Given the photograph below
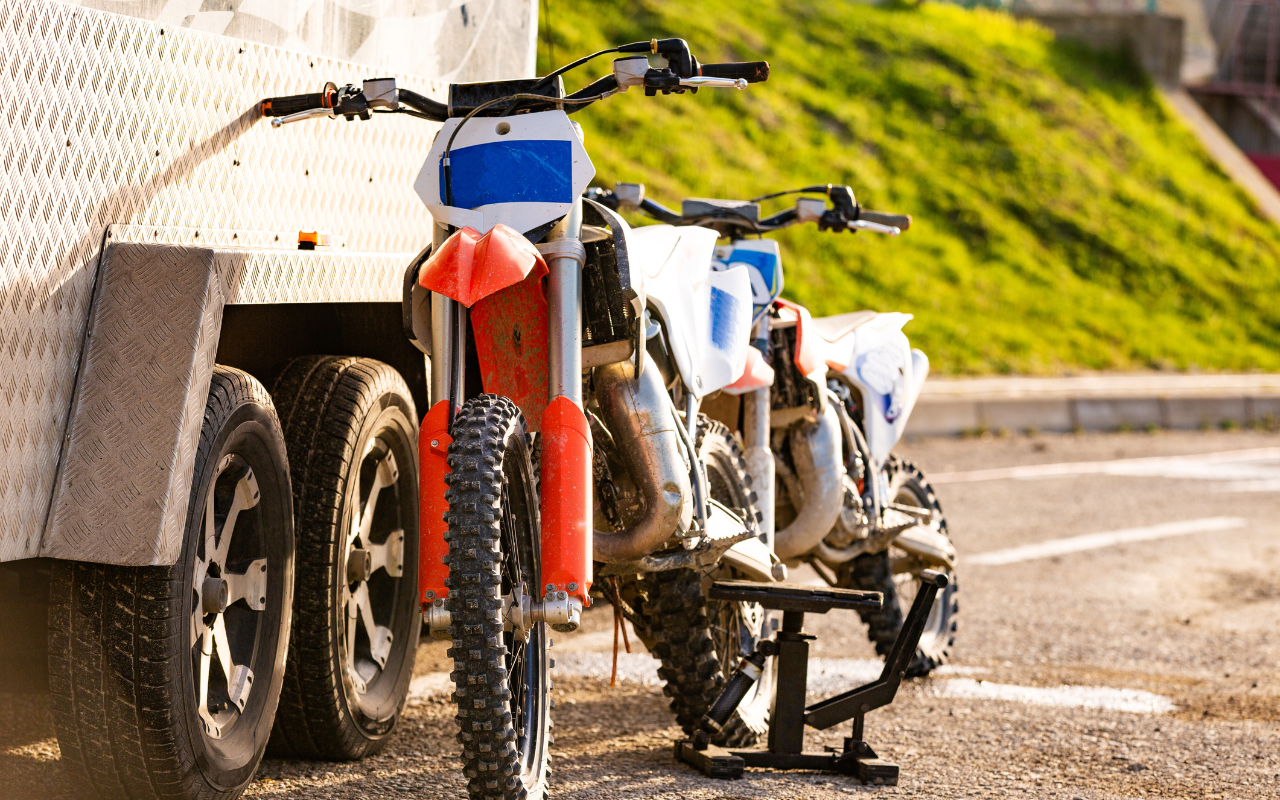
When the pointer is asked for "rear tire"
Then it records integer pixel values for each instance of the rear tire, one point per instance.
(502, 684)
(897, 576)
(350, 427)
(141, 710)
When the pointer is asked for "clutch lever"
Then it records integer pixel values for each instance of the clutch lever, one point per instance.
(703, 82)
(874, 227)
(311, 113)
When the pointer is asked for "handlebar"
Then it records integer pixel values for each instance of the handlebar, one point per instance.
(900, 221)
(734, 217)
(292, 104)
(749, 71)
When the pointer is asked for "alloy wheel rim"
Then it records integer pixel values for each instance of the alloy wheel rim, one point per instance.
(229, 596)
(372, 564)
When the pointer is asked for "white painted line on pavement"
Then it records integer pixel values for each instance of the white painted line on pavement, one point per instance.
(1093, 541)
(1133, 701)
(1188, 466)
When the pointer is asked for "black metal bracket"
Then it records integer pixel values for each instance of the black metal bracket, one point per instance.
(790, 715)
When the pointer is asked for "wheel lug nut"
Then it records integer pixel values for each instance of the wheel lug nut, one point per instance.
(214, 595)
(359, 565)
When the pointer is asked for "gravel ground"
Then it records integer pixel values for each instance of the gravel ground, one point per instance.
(1191, 619)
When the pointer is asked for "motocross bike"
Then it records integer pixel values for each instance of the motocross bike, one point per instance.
(548, 414)
(820, 407)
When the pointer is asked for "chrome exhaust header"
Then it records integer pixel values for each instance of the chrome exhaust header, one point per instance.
(640, 417)
(816, 450)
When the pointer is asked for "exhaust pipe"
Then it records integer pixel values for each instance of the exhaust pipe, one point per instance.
(638, 413)
(816, 452)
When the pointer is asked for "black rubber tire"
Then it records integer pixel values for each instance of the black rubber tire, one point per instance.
(339, 415)
(696, 663)
(874, 572)
(502, 687)
(122, 668)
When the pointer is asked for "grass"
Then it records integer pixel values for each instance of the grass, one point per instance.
(1064, 218)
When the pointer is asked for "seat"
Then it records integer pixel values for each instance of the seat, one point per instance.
(834, 328)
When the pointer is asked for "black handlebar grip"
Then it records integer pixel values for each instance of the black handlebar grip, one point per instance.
(899, 221)
(752, 71)
(291, 104)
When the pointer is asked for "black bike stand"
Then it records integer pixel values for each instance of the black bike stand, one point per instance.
(789, 717)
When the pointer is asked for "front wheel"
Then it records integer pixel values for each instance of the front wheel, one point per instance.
(502, 686)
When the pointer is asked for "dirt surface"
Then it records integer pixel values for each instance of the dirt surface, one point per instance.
(1191, 619)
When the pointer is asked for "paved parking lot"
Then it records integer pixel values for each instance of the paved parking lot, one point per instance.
(1119, 637)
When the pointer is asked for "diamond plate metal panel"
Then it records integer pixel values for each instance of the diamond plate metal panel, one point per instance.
(276, 276)
(107, 119)
(123, 485)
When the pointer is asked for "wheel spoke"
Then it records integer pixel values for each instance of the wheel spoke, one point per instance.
(246, 497)
(386, 475)
(379, 636)
(222, 646)
(250, 586)
(389, 555)
(353, 614)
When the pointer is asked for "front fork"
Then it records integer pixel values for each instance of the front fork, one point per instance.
(755, 435)
(566, 436)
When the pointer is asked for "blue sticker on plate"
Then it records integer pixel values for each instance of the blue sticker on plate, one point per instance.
(518, 171)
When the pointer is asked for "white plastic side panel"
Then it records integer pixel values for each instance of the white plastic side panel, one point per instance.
(532, 165)
(708, 315)
(728, 330)
(883, 369)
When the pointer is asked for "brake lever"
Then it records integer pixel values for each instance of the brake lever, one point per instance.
(311, 113)
(701, 82)
(874, 227)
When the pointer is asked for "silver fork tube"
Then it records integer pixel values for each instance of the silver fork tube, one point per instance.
(755, 434)
(565, 256)
(445, 357)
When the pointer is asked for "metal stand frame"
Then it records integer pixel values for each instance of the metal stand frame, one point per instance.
(790, 715)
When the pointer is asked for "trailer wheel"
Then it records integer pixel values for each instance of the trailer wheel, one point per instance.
(350, 427)
(165, 680)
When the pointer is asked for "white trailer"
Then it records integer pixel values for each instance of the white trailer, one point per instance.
(208, 470)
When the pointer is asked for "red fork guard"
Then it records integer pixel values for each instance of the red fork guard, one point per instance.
(433, 447)
(566, 499)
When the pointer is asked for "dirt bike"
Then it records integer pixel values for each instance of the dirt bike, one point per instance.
(820, 407)
(558, 460)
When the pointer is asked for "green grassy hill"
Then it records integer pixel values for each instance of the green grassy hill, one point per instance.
(1064, 219)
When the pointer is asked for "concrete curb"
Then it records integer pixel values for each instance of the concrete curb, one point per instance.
(1095, 403)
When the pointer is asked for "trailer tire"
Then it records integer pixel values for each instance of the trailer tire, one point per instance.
(350, 425)
(126, 644)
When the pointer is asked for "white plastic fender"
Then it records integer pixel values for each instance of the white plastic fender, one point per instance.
(523, 171)
(707, 314)
(889, 376)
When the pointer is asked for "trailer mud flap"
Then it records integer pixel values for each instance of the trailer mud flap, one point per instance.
(433, 448)
(566, 500)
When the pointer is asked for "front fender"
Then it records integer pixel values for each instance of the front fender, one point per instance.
(469, 267)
